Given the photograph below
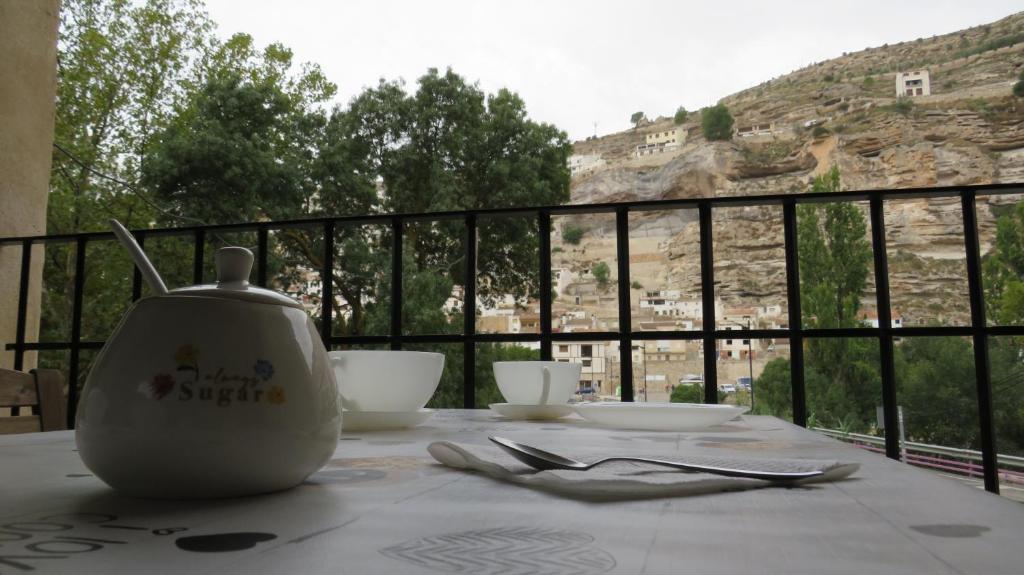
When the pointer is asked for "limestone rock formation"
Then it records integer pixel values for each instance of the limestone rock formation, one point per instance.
(842, 112)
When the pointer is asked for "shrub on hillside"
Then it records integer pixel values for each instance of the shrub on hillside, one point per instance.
(572, 235)
(716, 123)
(903, 106)
(1018, 88)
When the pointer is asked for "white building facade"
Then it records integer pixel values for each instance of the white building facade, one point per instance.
(913, 83)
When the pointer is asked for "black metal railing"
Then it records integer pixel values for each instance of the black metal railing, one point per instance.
(978, 330)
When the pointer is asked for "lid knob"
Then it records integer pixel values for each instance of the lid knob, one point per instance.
(233, 265)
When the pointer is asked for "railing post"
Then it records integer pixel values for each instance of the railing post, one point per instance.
(140, 237)
(198, 250)
(19, 330)
(982, 369)
(396, 283)
(261, 256)
(544, 240)
(327, 286)
(796, 325)
(76, 330)
(885, 348)
(469, 317)
(625, 321)
(707, 294)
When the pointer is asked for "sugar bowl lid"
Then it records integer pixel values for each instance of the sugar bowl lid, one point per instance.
(233, 267)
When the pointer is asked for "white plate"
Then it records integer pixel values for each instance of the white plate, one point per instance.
(380, 420)
(515, 411)
(658, 416)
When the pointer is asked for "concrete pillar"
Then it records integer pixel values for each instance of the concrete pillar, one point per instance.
(28, 88)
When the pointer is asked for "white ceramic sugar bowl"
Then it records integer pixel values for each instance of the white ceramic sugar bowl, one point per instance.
(210, 391)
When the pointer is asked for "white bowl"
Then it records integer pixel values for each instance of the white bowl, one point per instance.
(522, 382)
(386, 380)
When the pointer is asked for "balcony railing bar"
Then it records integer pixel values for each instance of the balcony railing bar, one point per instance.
(867, 332)
(544, 246)
(625, 326)
(796, 331)
(469, 313)
(982, 373)
(708, 334)
(707, 294)
(23, 283)
(262, 241)
(136, 272)
(76, 329)
(327, 284)
(396, 283)
(198, 254)
(885, 347)
(635, 206)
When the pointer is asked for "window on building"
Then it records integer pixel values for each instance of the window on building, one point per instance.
(728, 342)
(563, 349)
(746, 342)
(587, 351)
(587, 363)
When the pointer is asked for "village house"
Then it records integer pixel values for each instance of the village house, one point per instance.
(591, 356)
(757, 129)
(913, 83)
(662, 141)
(580, 164)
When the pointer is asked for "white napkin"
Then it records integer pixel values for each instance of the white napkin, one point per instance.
(625, 480)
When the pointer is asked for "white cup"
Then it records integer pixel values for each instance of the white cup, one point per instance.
(388, 381)
(537, 382)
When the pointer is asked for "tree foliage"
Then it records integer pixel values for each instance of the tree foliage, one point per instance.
(772, 390)
(191, 128)
(680, 116)
(636, 118)
(716, 123)
(601, 273)
(687, 394)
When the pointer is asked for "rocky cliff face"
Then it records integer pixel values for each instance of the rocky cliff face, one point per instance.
(843, 113)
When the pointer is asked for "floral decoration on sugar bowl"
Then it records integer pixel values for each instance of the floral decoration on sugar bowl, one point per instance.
(215, 385)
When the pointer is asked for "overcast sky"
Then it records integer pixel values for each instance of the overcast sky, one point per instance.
(580, 62)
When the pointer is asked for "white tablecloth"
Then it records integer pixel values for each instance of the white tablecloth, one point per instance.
(383, 505)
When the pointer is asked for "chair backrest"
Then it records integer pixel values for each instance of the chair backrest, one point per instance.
(42, 387)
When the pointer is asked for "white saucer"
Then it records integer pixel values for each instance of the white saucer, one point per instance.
(658, 416)
(380, 420)
(537, 412)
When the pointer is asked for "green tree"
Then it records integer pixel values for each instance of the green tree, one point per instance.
(680, 116)
(1003, 277)
(936, 386)
(716, 123)
(636, 118)
(122, 69)
(601, 273)
(841, 374)
(773, 390)
(834, 257)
